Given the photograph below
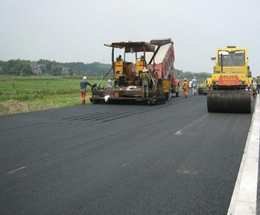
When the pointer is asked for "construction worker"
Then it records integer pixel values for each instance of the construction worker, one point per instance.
(83, 89)
(109, 83)
(190, 86)
(194, 83)
(145, 77)
(119, 58)
(258, 84)
(185, 87)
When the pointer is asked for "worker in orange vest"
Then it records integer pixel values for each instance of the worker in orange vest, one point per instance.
(185, 87)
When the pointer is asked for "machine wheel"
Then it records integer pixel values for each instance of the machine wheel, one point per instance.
(157, 102)
(168, 96)
(177, 94)
(229, 101)
(95, 102)
(160, 99)
(163, 100)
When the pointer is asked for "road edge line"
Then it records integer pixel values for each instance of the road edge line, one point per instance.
(244, 198)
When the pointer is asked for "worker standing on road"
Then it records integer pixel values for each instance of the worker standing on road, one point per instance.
(190, 86)
(185, 87)
(258, 84)
(145, 77)
(194, 85)
(83, 89)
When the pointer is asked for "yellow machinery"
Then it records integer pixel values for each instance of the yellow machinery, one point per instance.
(157, 56)
(230, 88)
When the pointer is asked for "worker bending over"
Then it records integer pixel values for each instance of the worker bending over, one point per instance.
(83, 89)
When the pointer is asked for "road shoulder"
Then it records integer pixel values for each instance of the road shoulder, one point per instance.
(244, 198)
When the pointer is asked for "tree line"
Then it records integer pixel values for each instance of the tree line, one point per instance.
(201, 76)
(16, 67)
(45, 67)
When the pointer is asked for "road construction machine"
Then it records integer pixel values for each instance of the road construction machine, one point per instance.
(230, 88)
(157, 56)
(202, 89)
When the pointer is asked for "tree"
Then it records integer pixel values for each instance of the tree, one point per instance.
(25, 68)
(11, 67)
(70, 72)
(17, 67)
(56, 69)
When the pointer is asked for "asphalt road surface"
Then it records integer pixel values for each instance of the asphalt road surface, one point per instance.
(121, 159)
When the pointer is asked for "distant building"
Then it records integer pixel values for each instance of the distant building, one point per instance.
(65, 71)
(38, 69)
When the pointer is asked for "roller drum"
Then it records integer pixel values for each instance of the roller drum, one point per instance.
(229, 101)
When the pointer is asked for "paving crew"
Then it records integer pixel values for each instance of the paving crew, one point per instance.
(83, 89)
(185, 87)
(190, 86)
(194, 83)
(119, 58)
(258, 84)
(145, 77)
(109, 83)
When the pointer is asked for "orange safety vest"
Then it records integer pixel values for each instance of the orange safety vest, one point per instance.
(185, 85)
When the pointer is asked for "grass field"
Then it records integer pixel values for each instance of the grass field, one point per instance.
(25, 94)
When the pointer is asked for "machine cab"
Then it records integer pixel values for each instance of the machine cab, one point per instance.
(127, 72)
(231, 59)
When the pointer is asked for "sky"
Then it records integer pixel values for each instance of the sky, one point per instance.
(76, 30)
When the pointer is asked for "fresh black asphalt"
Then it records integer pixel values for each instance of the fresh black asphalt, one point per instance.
(121, 159)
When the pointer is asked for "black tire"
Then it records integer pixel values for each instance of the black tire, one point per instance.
(164, 99)
(200, 91)
(167, 96)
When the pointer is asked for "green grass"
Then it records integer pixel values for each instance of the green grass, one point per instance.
(24, 94)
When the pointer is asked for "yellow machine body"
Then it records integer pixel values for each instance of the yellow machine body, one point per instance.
(230, 88)
(118, 69)
(139, 66)
(167, 86)
(235, 65)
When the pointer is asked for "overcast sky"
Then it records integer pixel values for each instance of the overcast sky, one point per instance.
(75, 30)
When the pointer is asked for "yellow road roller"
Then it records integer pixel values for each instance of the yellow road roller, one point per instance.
(230, 88)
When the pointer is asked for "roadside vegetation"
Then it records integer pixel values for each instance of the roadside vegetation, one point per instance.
(25, 94)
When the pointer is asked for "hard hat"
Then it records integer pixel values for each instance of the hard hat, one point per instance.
(194, 76)
(85, 78)
(145, 70)
(185, 79)
(109, 80)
